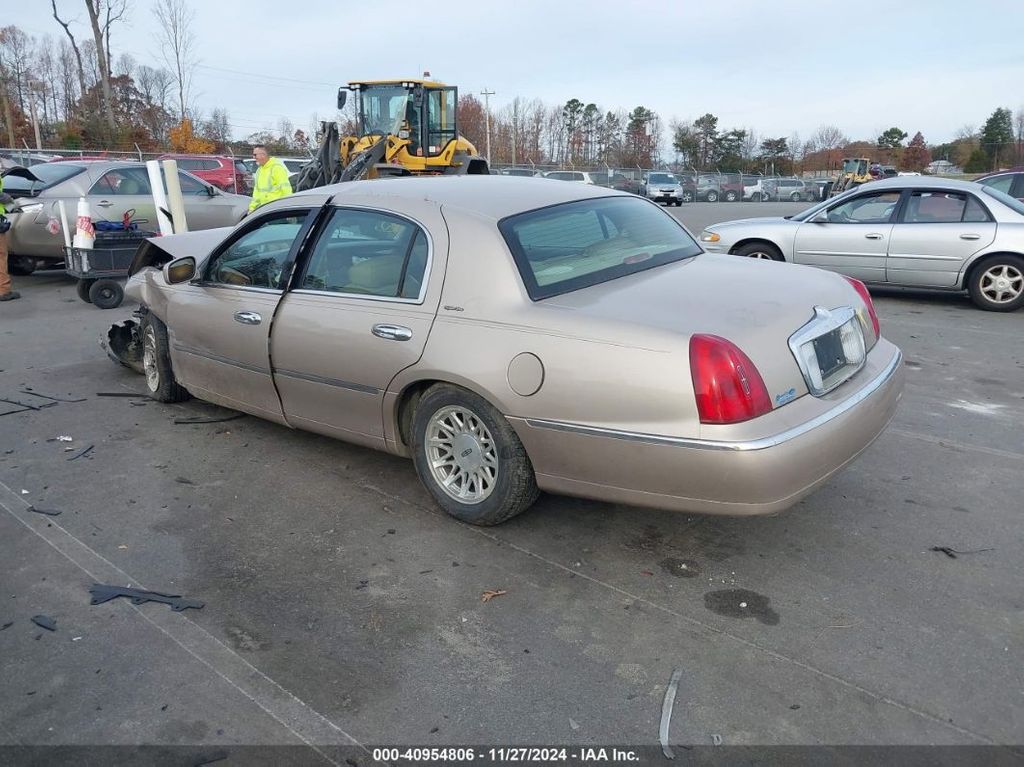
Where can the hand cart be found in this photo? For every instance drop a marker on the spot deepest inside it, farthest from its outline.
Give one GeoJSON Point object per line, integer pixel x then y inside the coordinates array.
{"type": "Point", "coordinates": [101, 270]}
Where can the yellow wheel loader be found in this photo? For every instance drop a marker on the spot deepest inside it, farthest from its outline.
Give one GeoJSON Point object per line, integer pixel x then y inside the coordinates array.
{"type": "Point", "coordinates": [403, 128]}
{"type": "Point", "coordinates": [854, 173]}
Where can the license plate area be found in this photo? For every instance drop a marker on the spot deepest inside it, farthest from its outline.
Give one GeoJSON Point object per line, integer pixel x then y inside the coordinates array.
{"type": "Point", "coordinates": [829, 349]}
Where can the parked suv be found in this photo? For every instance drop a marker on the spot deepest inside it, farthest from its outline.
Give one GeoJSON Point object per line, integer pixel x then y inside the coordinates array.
{"type": "Point", "coordinates": [579, 176]}
{"type": "Point", "coordinates": [793, 189]}
{"type": "Point", "coordinates": [753, 188]}
{"type": "Point", "coordinates": [225, 173]}
{"type": "Point", "coordinates": [708, 188]}
{"type": "Point", "coordinates": [1009, 181]}
{"type": "Point", "coordinates": [663, 187]}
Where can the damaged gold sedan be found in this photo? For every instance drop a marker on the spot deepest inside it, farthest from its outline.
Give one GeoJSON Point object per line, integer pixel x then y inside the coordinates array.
{"type": "Point", "coordinates": [512, 336]}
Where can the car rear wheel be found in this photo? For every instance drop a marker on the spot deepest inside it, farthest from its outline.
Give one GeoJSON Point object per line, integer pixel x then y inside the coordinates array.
{"type": "Point", "coordinates": [469, 458]}
{"type": "Point", "coordinates": [156, 363]}
{"type": "Point", "coordinates": [761, 250]}
{"type": "Point", "coordinates": [687, 196]}
{"type": "Point", "coordinates": [730, 196]}
{"type": "Point", "coordinates": [997, 284]}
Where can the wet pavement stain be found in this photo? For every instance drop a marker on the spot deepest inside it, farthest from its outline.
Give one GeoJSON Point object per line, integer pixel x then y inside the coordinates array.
{"type": "Point", "coordinates": [680, 568]}
{"type": "Point", "coordinates": [728, 603]}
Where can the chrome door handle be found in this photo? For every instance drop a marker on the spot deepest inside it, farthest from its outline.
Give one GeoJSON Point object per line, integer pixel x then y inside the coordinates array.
{"type": "Point", "coordinates": [248, 318]}
{"type": "Point", "coordinates": [392, 332]}
{"type": "Point", "coordinates": [873, 236]}
{"type": "Point", "coordinates": [970, 236]}
{"type": "Point", "coordinates": [104, 204]}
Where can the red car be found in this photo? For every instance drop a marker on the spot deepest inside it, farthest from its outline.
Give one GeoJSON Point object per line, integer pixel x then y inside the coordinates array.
{"type": "Point", "coordinates": [225, 173]}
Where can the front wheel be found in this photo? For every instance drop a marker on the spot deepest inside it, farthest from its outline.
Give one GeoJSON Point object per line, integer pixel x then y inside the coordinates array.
{"type": "Point", "coordinates": [156, 363]}
{"type": "Point", "coordinates": [687, 196]}
{"type": "Point", "coordinates": [469, 458]}
{"type": "Point", "coordinates": [762, 250]}
{"type": "Point", "coordinates": [795, 197]}
{"type": "Point", "coordinates": [997, 285]}
{"type": "Point", "coordinates": [730, 196]}
{"type": "Point", "coordinates": [711, 197]}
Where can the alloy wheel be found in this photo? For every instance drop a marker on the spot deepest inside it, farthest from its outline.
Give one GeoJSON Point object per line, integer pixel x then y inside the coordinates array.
{"type": "Point", "coordinates": [1002, 283]}
{"type": "Point", "coordinates": [461, 454]}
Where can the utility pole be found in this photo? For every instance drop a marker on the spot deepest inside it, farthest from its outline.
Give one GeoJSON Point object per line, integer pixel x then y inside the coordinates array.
{"type": "Point", "coordinates": [487, 119]}
{"type": "Point", "coordinates": [32, 107]}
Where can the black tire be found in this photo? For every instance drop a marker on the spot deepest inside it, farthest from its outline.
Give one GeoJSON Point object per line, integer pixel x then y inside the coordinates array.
{"type": "Point", "coordinates": [981, 283]}
{"type": "Point", "coordinates": [730, 196]}
{"type": "Point", "coordinates": [82, 289]}
{"type": "Point", "coordinates": [156, 361]}
{"type": "Point", "coordinates": [756, 197]}
{"type": "Point", "coordinates": [711, 196]}
{"type": "Point", "coordinates": [795, 197]}
{"type": "Point", "coordinates": [21, 266]}
{"type": "Point", "coordinates": [760, 249]}
{"type": "Point", "coordinates": [515, 485]}
{"type": "Point", "coordinates": [106, 294]}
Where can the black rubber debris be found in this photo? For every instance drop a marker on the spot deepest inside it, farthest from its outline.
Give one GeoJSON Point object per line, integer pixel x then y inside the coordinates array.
{"type": "Point", "coordinates": [952, 553]}
{"type": "Point", "coordinates": [47, 512]}
{"type": "Point", "coordinates": [104, 593]}
{"type": "Point", "coordinates": [45, 622]}
{"type": "Point", "coordinates": [234, 417]}
{"type": "Point", "coordinates": [6, 626]}
{"type": "Point", "coordinates": [82, 453]}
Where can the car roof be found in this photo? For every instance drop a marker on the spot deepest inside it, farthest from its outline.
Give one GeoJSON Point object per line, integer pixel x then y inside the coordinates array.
{"type": "Point", "coordinates": [492, 196]}
{"type": "Point", "coordinates": [920, 182]}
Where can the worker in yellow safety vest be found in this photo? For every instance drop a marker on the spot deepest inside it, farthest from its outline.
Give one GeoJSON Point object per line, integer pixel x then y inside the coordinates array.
{"type": "Point", "coordinates": [271, 182]}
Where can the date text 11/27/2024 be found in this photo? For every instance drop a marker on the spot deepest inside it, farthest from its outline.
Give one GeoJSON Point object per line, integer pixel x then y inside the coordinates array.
{"type": "Point", "coordinates": [526, 754]}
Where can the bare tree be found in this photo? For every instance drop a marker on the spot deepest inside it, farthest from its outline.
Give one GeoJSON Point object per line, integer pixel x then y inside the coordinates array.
{"type": "Point", "coordinates": [102, 14]}
{"type": "Point", "coordinates": [829, 137]}
{"type": "Point", "coordinates": [966, 133]}
{"type": "Point", "coordinates": [74, 47]}
{"type": "Point", "coordinates": [177, 44]}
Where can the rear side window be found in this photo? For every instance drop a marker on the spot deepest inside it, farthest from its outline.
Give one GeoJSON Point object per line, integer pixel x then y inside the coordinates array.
{"type": "Point", "coordinates": [943, 208]}
{"type": "Point", "coordinates": [1002, 183]}
{"type": "Point", "coordinates": [574, 245]}
{"type": "Point", "coordinates": [367, 253]}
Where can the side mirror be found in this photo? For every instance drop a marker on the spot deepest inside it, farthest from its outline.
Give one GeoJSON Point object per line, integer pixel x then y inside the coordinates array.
{"type": "Point", "coordinates": [342, 98]}
{"type": "Point", "coordinates": [212, 191]}
{"type": "Point", "coordinates": [180, 270]}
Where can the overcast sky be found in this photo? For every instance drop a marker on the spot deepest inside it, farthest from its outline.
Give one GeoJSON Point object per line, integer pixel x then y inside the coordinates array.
{"type": "Point", "coordinates": [779, 66]}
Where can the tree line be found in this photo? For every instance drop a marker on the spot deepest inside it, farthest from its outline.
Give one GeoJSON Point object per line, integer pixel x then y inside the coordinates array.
{"type": "Point", "coordinates": [76, 93]}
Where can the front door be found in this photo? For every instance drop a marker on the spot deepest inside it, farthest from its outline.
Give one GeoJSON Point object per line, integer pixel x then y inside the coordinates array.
{"type": "Point", "coordinates": [220, 325]}
{"type": "Point", "coordinates": [359, 312]}
{"type": "Point", "coordinates": [936, 234]}
{"type": "Point", "coordinates": [854, 239]}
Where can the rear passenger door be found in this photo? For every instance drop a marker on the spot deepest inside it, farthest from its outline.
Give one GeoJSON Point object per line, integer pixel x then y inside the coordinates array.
{"type": "Point", "coordinates": [936, 233]}
{"type": "Point", "coordinates": [359, 312]}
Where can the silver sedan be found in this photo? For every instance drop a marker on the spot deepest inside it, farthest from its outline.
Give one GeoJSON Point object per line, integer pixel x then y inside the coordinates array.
{"type": "Point", "coordinates": [112, 190]}
{"type": "Point", "coordinates": [909, 231]}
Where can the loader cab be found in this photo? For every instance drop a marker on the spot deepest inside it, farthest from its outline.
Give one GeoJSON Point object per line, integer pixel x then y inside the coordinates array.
{"type": "Point", "coordinates": [422, 111]}
{"type": "Point", "coordinates": [856, 166]}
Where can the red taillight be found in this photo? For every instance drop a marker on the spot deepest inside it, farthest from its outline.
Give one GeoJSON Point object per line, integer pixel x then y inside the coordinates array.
{"type": "Point", "coordinates": [726, 384]}
{"type": "Point", "coordinates": [862, 291]}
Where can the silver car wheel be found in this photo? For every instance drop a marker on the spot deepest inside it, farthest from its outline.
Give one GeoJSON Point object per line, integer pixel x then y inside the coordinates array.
{"type": "Point", "coordinates": [761, 254]}
{"type": "Point", "coordinates": [461, 454]}
{"type": "Point", "coordinates": [149, 353]}
{"type": "Point", "coordinates": [1002, 283]}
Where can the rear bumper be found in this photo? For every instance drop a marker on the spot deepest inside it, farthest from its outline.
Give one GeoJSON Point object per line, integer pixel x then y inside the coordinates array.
{"type": "Point", "coordinates": [804, 443]}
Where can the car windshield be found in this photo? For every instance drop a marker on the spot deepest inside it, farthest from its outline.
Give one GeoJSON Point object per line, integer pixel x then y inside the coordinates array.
{"type": "Point", "coordinates": [383, 108]}
{"type": "Point", "coordinates": [662, 178]}
{"type": "Point", "coordinates": [814, 209]}
{"type": "Point", "coordinates": [1010, 202]}
{"type": "Point", "coordinates": [47, 173]}
{"type": "Point", "coordinates": [578, 244]}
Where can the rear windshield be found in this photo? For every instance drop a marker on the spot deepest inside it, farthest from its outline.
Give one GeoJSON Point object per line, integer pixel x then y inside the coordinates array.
{"type": "Point", "coordinates": [47, 173]}
{"type": "Point", "coordinates": [1010, 202]}
{"type": "Point", "coordinates": [578, 244]}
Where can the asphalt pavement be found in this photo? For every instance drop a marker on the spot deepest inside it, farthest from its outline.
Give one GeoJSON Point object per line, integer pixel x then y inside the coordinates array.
{"type": "Point", "coordinates": [342, 608]}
